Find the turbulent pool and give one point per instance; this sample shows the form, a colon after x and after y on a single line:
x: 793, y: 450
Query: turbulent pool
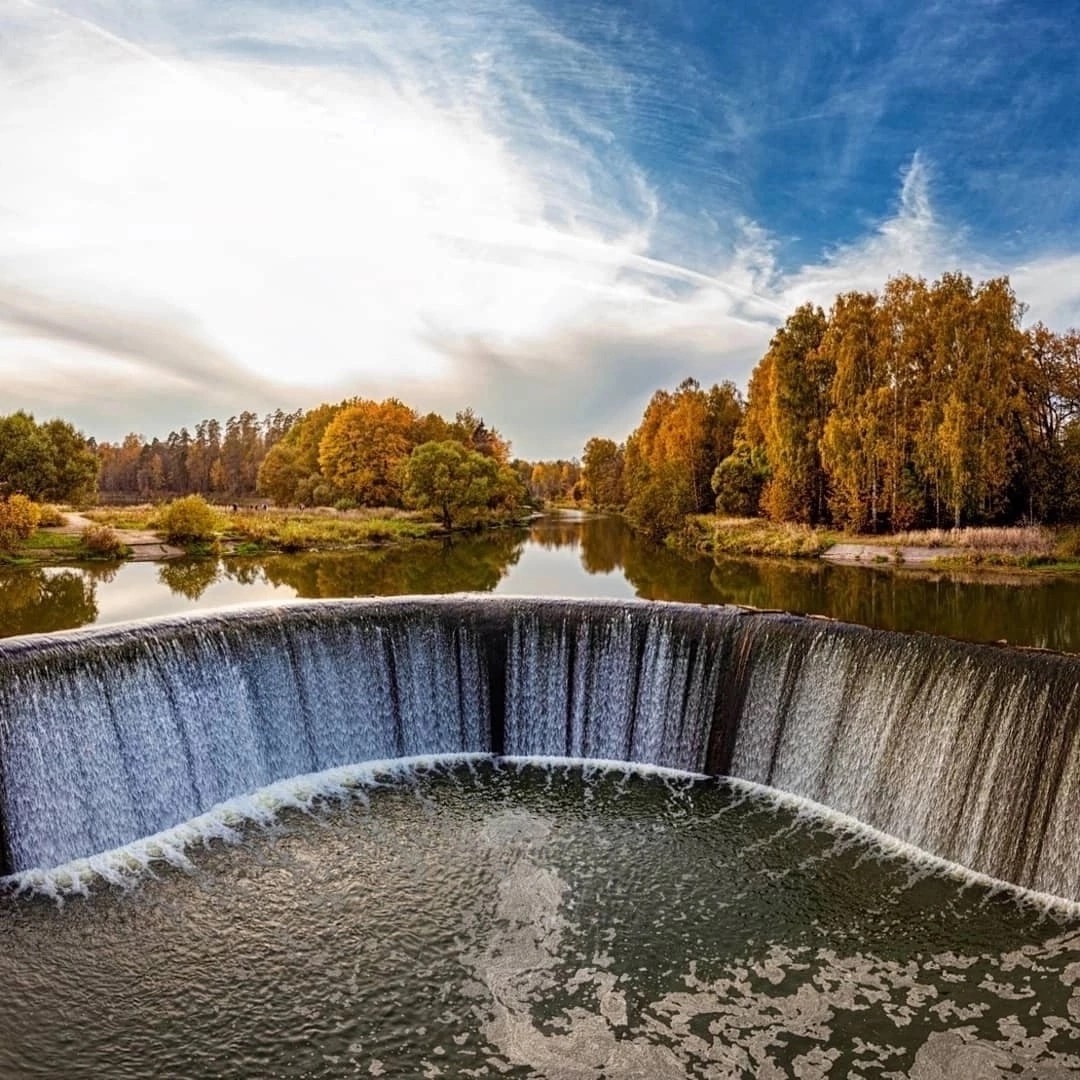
x: 498, y: 918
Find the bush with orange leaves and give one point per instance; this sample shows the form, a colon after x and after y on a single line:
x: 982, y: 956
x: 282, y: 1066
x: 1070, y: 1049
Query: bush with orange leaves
x: 19, y: 517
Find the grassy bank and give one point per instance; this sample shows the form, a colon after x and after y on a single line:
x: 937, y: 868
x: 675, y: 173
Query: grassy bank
x: 1032, y: 547
x: 255, y: 531
x: 753, y: 536
x: 47, y: 548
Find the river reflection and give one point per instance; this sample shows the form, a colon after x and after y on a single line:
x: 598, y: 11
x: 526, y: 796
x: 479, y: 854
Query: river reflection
x: 568, y: 555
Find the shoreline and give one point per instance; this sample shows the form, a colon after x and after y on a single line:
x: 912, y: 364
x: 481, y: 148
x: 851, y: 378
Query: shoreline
x: 1034, y: 550
x: 286, y: 532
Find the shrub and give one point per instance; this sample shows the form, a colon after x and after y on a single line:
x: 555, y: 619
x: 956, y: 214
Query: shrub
x: 19, y: 518
x: 50, y: 517
x: 102, y: 542
x: 345, y: 504
x: 293, y: 537
x: 189, y: 519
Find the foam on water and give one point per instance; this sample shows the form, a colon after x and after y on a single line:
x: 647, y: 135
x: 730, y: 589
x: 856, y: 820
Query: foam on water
x: 228, y: 821
x: 124, y: 866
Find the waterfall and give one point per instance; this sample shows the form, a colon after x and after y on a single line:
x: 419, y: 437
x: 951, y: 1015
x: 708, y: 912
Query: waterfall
x: 129, y: 732
x: 969, y: 752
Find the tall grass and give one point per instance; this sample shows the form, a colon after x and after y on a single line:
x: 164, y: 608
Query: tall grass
x: 755, y: 536
x: 1034, y: 541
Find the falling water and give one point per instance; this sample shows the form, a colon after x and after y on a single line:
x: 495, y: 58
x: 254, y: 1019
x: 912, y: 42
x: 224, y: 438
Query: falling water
x: 968, y: 752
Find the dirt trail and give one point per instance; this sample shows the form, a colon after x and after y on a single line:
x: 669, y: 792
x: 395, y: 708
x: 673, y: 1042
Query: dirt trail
x: 145, y: 545
x: 879, y: 553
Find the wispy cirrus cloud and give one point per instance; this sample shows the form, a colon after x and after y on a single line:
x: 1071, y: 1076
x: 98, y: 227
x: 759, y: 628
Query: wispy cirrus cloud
x: 210, y: 207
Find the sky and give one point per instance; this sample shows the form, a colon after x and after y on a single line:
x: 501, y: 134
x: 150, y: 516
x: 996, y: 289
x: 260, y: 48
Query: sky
x: 544, y: 211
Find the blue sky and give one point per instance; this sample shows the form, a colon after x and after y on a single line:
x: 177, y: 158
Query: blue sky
x: 542, y: 210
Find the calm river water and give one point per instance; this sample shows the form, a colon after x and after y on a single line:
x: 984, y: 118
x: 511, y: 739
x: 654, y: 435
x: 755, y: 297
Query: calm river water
x: 569, y: 555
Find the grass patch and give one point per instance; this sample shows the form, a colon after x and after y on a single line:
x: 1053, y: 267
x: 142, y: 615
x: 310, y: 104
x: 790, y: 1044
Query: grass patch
x: 7, y: 559
x: 257, y: 532
x: 51, y: 541
x: 126, y: 517
x: 1031, y: 547
x: 755, y: 537
x: 1030, y: 541
x: 246, y: 547
x: 304, y: 531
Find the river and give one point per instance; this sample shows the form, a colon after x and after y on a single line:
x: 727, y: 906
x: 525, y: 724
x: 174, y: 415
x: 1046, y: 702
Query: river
x: 571, y: 555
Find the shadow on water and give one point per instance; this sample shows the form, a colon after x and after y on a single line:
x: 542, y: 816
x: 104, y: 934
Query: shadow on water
x: 567, y: 555
x: 39, y: 600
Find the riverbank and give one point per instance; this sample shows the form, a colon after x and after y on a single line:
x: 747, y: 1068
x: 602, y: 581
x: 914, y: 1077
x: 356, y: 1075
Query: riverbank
x: 256, y: 531
x: 1032, y: 547
x: 137, y: 533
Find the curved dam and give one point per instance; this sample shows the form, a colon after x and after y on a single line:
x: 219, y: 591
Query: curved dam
x: 968, y: 752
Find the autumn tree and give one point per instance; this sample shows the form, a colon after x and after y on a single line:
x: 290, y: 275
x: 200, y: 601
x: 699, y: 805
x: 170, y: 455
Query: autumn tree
x: 555, y: 481
x: 19, y: 517
x: 474, y: 434
x: 854, y: 442
x: 290, y: 473
x: 978, y: 346
x: 789, y: 404
x: 904, y: 408
x: 671, y: 456
x: 363, y: 449
x: 602, y: 473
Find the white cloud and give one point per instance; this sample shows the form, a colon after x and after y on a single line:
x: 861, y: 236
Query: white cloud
x: 258, y: 209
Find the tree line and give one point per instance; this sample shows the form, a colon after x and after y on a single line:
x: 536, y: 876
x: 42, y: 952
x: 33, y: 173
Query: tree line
x: 926, y: 404
x: 354, y: 453
x: 220, y: 460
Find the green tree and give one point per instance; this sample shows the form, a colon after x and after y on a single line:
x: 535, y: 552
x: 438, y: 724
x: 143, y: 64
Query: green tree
x: 75, y: 466
x: 26, y: 457
x: 737, y: 483
x: 448, y: 478
x: 49, y: 461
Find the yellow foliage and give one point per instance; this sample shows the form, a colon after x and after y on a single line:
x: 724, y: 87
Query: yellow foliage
x: 190, y: 519
x: 19, y: 517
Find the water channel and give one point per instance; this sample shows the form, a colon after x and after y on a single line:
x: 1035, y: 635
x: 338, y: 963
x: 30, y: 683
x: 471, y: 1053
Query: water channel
x: 569, y: 555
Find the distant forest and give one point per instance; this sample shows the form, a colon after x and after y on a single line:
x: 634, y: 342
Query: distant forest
x: 348, y: 454
x: 922, y: 405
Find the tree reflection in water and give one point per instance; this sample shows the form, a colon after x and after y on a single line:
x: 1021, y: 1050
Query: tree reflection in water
x: 43, y: 600
x: 561, y: 558
x: 460, y: 564
x: 190, y: 577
